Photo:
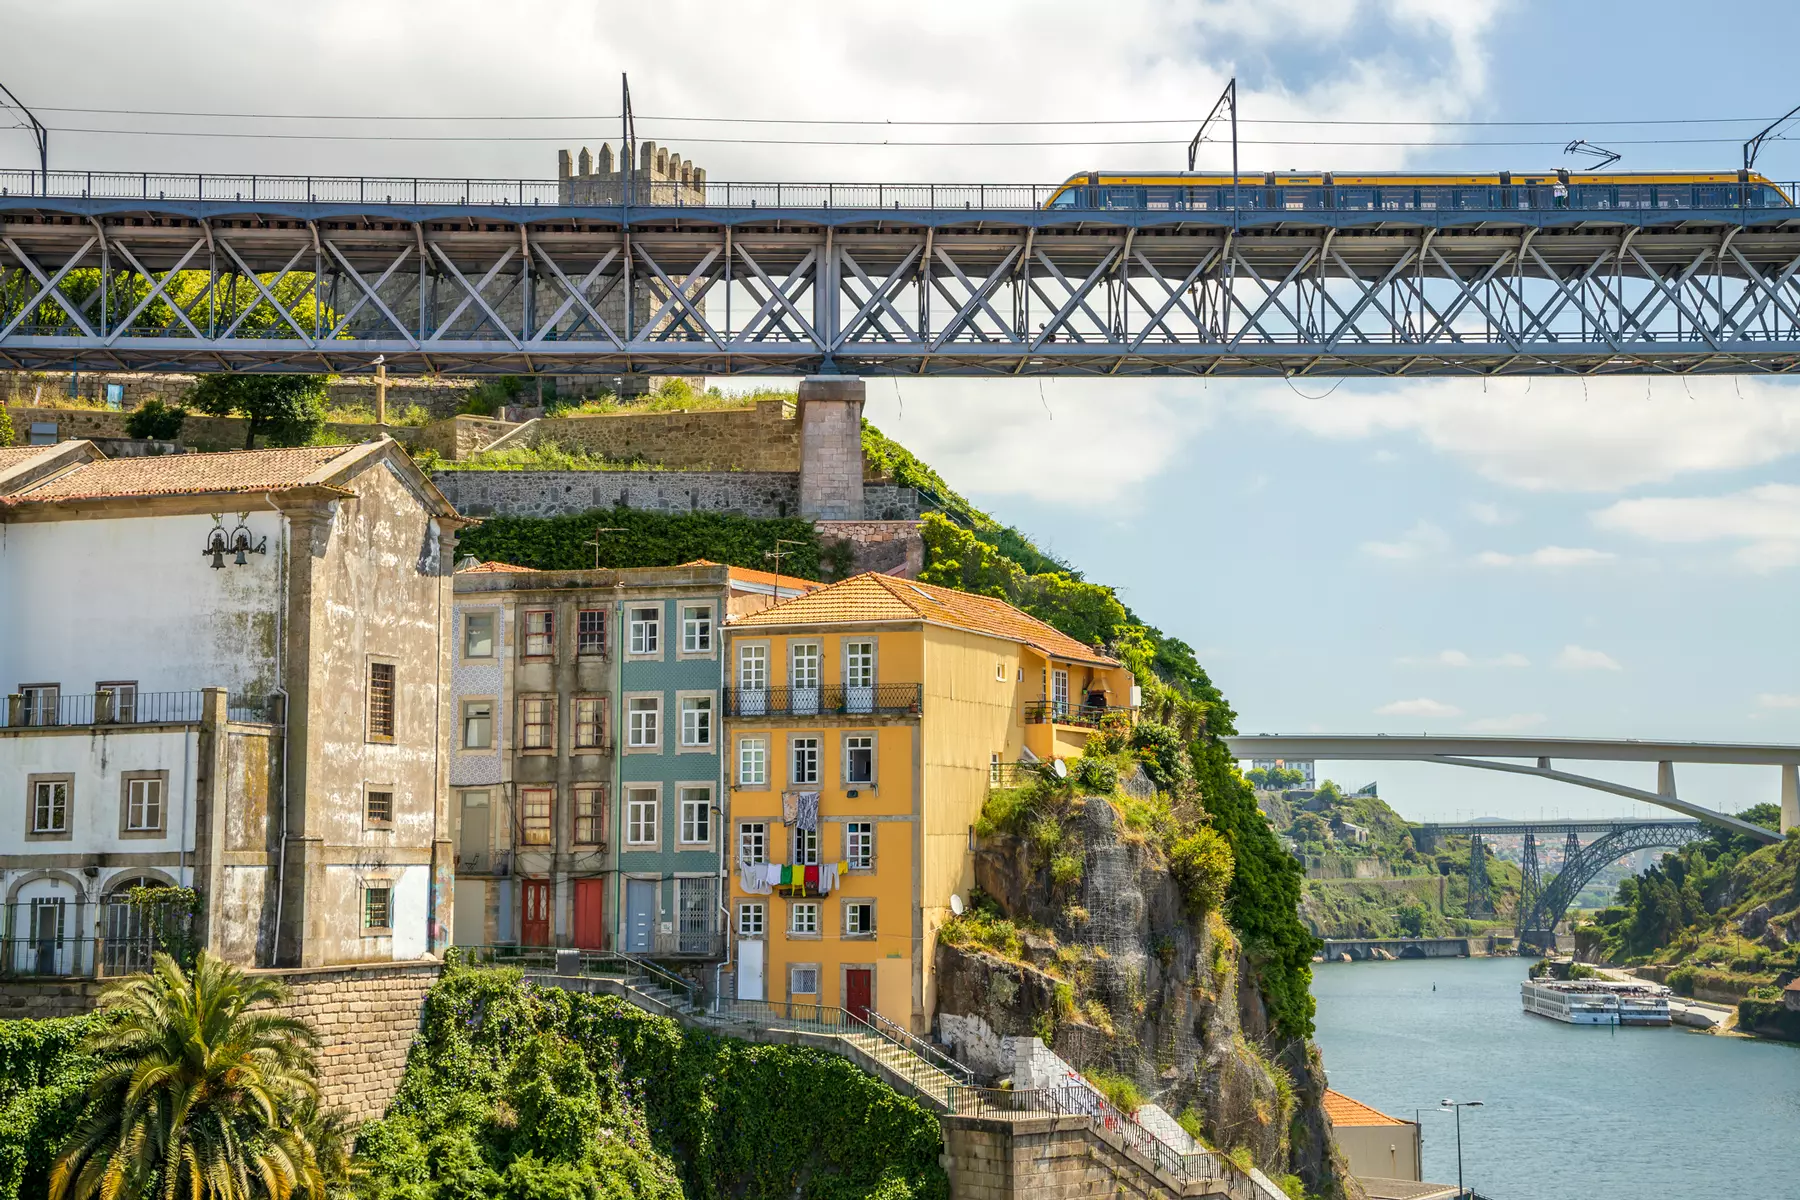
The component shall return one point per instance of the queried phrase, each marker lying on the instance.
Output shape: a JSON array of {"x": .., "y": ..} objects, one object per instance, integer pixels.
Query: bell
[{"x": 216, "y": 547}]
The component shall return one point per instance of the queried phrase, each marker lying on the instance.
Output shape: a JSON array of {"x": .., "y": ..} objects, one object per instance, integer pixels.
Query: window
[
  {"x": 50, "y": 806},
  {"x": 753, "y": 668},
  {"x": 1000, "y": 670},
  {"x": 753, "y": 762},
  {"x": 537, "y": 722},
  {"x": 381, "y": 702},
  {"x": 806, "y": 760},
  {"x": 1059, "y": 691},
  {"x": 640, "y": 817},
  {"x": 696, "y": 720},
  {"x": 859, "y": 664},
  {"x": 535, "y": 809},
  {"x": 859, "y": 758},
  {"x": 803, "y": 917},
  {"x": 42, "y": 701},
  {"x": 646, "y": 631},
  {"x": 750, "y": 919},
  {"x": 478, "y": 724},
  {"x": 859, "y": 845},
  {"x": 478, "y": 635},
  {"x": 144, "y": 803},
  {"x": 803, "y": 668},
  {"x": 753, "y": 842},
  {"x": 859, "y": 918},
  {"x": 590, "y": 816},
  {"x": 590, "y": 722},
  {"x": 994, "y": 769},
  {"x": 643, "y": 716},
  {"x": 124, "y": 699},
  {"x": 540, "y": 633},
  {"x": 806, "y": 848},
  {"x": 803, "y": 981},
  {"x": 696, "y": 816},
  {"x": 696, "y": 629},
  {"x": 378, "y": 808},
  {"x": 590, "y": 632},
  {"x": 378, "y": 909}
]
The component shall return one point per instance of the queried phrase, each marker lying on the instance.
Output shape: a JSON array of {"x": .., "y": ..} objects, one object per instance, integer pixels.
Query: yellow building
[{"x": 866, "y": 721}]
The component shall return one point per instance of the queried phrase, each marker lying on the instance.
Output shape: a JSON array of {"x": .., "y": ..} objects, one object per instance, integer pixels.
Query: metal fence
[
  {"x": 830, "y": 700},
  {"x": 606, "y": 964},
  {"x": 49, "y": 936},
  {"x": 126, "y": 706},
  {"x": 1063, "y": 712},
  {"x": 1078, "y": 1099}
]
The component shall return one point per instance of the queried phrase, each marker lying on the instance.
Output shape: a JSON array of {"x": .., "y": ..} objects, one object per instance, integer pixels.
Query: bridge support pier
[
  {"x": 831, "y": 458},
  {"x": 1790, "y": 798}
]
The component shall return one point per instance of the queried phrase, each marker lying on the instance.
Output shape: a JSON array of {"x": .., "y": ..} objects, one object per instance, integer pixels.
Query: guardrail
[
  {"x": 109, "y": 706},
  {"x": 1080, "y": 1100},
  {"x": 1063, "y": 712},
  {"x": 604, "y": 963},
  {"x": 928, "y": 1069},
  {"x": 830, "y": 700}
]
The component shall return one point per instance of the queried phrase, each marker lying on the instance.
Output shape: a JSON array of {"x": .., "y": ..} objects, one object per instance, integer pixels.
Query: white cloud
[
  {"x": 1443, "y": 658},
  {"x": 1510, "y": 659},
  {"x": 1546, "y": 556},
  {"x": 1511, "y": 723},
  {"x": 1421, "y": 707},
  {"x": 1421, "y": 541},
  {"x": 1489, "y": 514},
  {"x": 1766, "y": 519},
  {"x": 1564, "y": 435},
  {"x": 1578, "y": 658},
  {"x": 1778, "y": 700}
]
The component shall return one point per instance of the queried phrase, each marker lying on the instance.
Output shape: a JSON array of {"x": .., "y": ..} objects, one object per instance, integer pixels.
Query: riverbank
[{"x": 1568, "y": 1113}]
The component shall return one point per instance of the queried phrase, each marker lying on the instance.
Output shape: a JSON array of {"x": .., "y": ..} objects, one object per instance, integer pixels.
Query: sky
[{"x": 1616, "y": 558}]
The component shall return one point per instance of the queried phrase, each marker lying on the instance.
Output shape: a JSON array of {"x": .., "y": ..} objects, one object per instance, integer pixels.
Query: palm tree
[{"x": 197, "y": 1097}]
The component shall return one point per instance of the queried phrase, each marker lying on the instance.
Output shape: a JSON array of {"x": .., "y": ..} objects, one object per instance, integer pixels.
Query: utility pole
[
  {"x": 39, "y": 134},
  {"x": 595, "y": 543},
  {"x": 1227, "y": 99},
  {"x": 776, "y": 554}
]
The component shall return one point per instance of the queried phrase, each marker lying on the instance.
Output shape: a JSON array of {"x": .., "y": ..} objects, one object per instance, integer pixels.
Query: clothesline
[{"x": 760, "y": 879}]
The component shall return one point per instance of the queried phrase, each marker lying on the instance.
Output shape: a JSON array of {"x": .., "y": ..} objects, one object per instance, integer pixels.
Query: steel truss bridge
[
  {"x": 186, "y": 272},
  {"x": 1544, "y": 899}
]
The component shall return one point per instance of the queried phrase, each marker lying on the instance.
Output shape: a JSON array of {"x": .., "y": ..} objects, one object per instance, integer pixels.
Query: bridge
[
  {"x": 145, "y": 271},
  {"x": 1490, "y": 753},
  {"x": 1544, "y": 900}
]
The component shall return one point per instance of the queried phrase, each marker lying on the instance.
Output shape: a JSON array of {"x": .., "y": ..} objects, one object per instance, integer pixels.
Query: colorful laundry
[{"x": 754, "y": 878}]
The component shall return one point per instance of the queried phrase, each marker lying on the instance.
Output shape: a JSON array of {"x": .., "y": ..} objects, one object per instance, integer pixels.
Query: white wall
[
  {"x": 98, "y": 759},
  {"x": 133, "y": 598}
]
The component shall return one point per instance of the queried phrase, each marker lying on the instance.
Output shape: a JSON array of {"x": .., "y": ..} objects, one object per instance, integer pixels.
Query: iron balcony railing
[
  {"x": 829, "y": 700},
  {"x": 689, "y": 943},
  {"x": 48, "y": 937},
  {"x": 46, "y": 707},
  {"x": 485, "y": 862},
  {"x": 1064, "y": 712},
  {"x": 1253, "y": 193}
]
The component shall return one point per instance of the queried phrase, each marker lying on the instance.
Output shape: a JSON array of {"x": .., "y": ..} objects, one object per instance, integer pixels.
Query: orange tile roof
[
  {"x": 874, "y": 597},
  {"x": 11, "y": 456},
  {"x": 792, "y": 583},
  {"x": 495, "y": 568},
  {"x": 1342, "y": 1110},
  {"x": 241, "y": 471}
]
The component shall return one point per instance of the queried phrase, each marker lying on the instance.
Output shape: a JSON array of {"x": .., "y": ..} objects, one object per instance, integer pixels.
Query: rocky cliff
[{"x": 1115, "y": 970}]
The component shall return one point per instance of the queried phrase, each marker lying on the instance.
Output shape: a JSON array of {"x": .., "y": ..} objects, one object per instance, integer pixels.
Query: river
[{"x": 1568, "y": 1113}]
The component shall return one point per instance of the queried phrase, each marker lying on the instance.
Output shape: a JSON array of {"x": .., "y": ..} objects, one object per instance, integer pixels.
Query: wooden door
[
  {"x": 590, "y": 924},
  {"x": 534, "y": 921},
  {"x": 859, "y": 986}
]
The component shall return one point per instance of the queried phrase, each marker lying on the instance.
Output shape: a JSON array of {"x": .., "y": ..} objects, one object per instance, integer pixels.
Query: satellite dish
[
  {"x": 956, "y": 905},
  {"x": 1061, "y": 768}
]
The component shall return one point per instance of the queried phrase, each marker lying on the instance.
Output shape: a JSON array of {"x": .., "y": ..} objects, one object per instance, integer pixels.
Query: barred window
[
  {"x": 381, "y": 702},
  {"x": 803, "y": 981},
  {"x": 590, "y": 631},
  {"x": 378, "y": 808},
  {"x": 378, "y": 908},
  {"x": 535, "y": 808},
  {"x": 590, "y": 816}
]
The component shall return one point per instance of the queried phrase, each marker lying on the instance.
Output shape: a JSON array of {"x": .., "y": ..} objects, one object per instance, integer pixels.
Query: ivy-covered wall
[
  {"x": 43, "y": 1077},
  {"x": 644, "y": 539}
]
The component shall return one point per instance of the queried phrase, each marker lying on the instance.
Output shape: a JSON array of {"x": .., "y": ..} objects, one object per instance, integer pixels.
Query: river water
[{"x": 1568, "y": 1113}]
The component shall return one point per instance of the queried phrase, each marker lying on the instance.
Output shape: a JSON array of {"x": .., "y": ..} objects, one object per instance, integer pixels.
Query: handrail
[
  {"x": 826, "y": 700},
  {"x": 925, "y": 1050}
]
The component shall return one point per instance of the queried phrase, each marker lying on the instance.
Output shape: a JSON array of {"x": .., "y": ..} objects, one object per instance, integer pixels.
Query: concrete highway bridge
[{"x": 146, "y": 271}]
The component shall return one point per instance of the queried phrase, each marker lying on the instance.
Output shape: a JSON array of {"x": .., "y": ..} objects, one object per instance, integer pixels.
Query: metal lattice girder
[
  {"x": 254, "y": 286},
  {"x": 1544, "y": 908}
]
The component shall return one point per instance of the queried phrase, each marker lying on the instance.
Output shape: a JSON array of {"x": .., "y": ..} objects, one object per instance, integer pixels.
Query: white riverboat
[{"x": 1596, "y": 1001}]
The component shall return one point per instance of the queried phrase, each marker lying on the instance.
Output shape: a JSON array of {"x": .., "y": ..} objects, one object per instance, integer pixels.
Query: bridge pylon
[{"x": 1480, "y": 902}]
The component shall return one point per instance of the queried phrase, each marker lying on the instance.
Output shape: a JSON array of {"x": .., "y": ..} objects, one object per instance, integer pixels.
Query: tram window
[{"x": 1356, "y": 197}]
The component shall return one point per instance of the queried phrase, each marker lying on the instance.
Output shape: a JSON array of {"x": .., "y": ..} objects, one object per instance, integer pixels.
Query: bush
[
  {"x": 1681, "y": 980},
  {"x": 644, "y": 539},
  {"x": 6, "y": 427},
  {"x": 1165, "y": 759},
  {"x": 1122, "y": 1092},
  {"x": 1096, "y": 776},
  {"x": 156, "y": 421},
  {"x": 1065, "y": 869},
  {"x": 1202, "y": 864}
]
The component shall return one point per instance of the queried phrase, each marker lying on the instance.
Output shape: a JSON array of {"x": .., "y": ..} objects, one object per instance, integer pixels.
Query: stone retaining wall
[
  {"x": 562, "y": 493},
  {"x": 760, "y": 438},
  {"x": 1066, "y": 1158}
]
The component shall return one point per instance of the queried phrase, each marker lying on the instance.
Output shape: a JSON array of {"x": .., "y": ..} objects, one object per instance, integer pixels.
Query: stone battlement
[{"x": 661, "y": 177}]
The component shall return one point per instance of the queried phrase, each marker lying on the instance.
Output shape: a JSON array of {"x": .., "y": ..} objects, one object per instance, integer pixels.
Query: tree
[
  {"x": 197, "y": 1097},
  {"x": 1276, "y": 779},
  {"x": 289, "y": 409},
  {"x": 155, "y": 420}
]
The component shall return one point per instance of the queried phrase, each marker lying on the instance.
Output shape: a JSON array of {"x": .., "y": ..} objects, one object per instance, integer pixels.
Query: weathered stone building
[{"x": 224, "y": 672}]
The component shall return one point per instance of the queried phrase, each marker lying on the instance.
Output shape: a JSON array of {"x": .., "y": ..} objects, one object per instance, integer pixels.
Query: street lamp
[{"x": 1457, "y": 1106}]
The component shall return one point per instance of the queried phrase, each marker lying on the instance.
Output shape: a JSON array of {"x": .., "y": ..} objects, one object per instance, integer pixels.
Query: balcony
[
  {"x": 1063, "y": 712},
  {"x": 833, "y": 700},
  {"x": 40, "y": 708},
  {"x": 692, "y": 943},
  {"x": 497, "y": 863}
]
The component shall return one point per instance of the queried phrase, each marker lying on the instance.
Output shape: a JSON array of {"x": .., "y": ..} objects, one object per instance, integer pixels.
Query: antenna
[
  {"x": 595, "y": 543},
  {"x": 42, "y": 136},
  {"x": 1607, "y": 157},
  {"x": 628, "y": 135},
  {"x": 1755, "y": 144},
  {"x": 1228, "y": 97},
  {"x": 778, "y": 554}
]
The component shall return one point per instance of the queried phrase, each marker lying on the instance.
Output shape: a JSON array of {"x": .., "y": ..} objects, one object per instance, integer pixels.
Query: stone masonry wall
[
  {"x": 760, "y": 438},
  {"x": 198, "y": 431},
  {"x": 559, "y": 493},
  {"x": 42, "y": 389},
  {"x": 1064, "y": 1158}
]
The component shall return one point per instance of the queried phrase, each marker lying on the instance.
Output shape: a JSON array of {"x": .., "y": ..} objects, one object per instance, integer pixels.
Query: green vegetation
[
  {"x": 644, "y": 539},
  {"x": 1119, "y": 1090},
  {"x": 7, "y": 435},
  {"x": 523, "y": 1094},
  {"x": 236, "y": 301},
  {"x": 1275, "y": 779},
  {"x": 360, "y": 413},
  {"x": 44, "y": 1072},
  {"x": 545, "y": 455},
  {"x": 982, "y": 926},
  {"x": 155, "y": 420},
  {"x": 288, "y": 410}
]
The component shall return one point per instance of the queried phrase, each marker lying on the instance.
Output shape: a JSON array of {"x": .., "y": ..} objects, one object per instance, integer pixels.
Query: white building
[{"x": 223, "y": 672}]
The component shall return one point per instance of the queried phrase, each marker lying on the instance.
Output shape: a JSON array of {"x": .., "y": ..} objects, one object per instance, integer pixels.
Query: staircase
[{"x": 929, "y": 1084}]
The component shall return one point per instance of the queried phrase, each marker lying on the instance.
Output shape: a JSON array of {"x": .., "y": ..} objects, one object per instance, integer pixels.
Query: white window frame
[
  {"x": 797, "y": 744},
  {"x": 695, "y": 826},
  {"x": 803, "y": 847},
  {"x": 863, "y": 833},
  {"x": 1059, "y": 691},
  {"x": 753, "y": 842},
  {"x": 806, "y": 665},
  {"x": 643, "y": 811},
  {"x": 752, "y": 919},
  {"x": 50, "y": 785},
  {"x": 43, "y": 703},
  {"x": 999, "y": 670},
  {"x": 868, "y": 930},
  {"x": 643, "y": 725},
  {"x": 803, "y": 918},
  {"x": 845, "y": 748},
  {"x": 699, "y": 633},
  {"x": 645, "y": 630},
  {"x": 753, "y": 763},
  {"x": 859, "y": 663},
  {"x": 753, "y": 666},
  {"x": 124, "y": 704},
  {"x": 145, "y": 793},
  {"x": 697, "y": 719}
]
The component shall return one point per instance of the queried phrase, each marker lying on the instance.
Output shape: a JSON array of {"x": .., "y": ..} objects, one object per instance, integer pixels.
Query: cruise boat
[
  {"x": 1596, "y": 1001},
  {"x": 1640, "y": 1003}
]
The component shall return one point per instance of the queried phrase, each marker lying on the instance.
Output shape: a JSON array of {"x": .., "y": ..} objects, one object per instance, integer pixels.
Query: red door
[
  {"x": 534, "y": 923},
  {"x": 589, "y": 927},
  {"x": 858, "y": 984}
]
